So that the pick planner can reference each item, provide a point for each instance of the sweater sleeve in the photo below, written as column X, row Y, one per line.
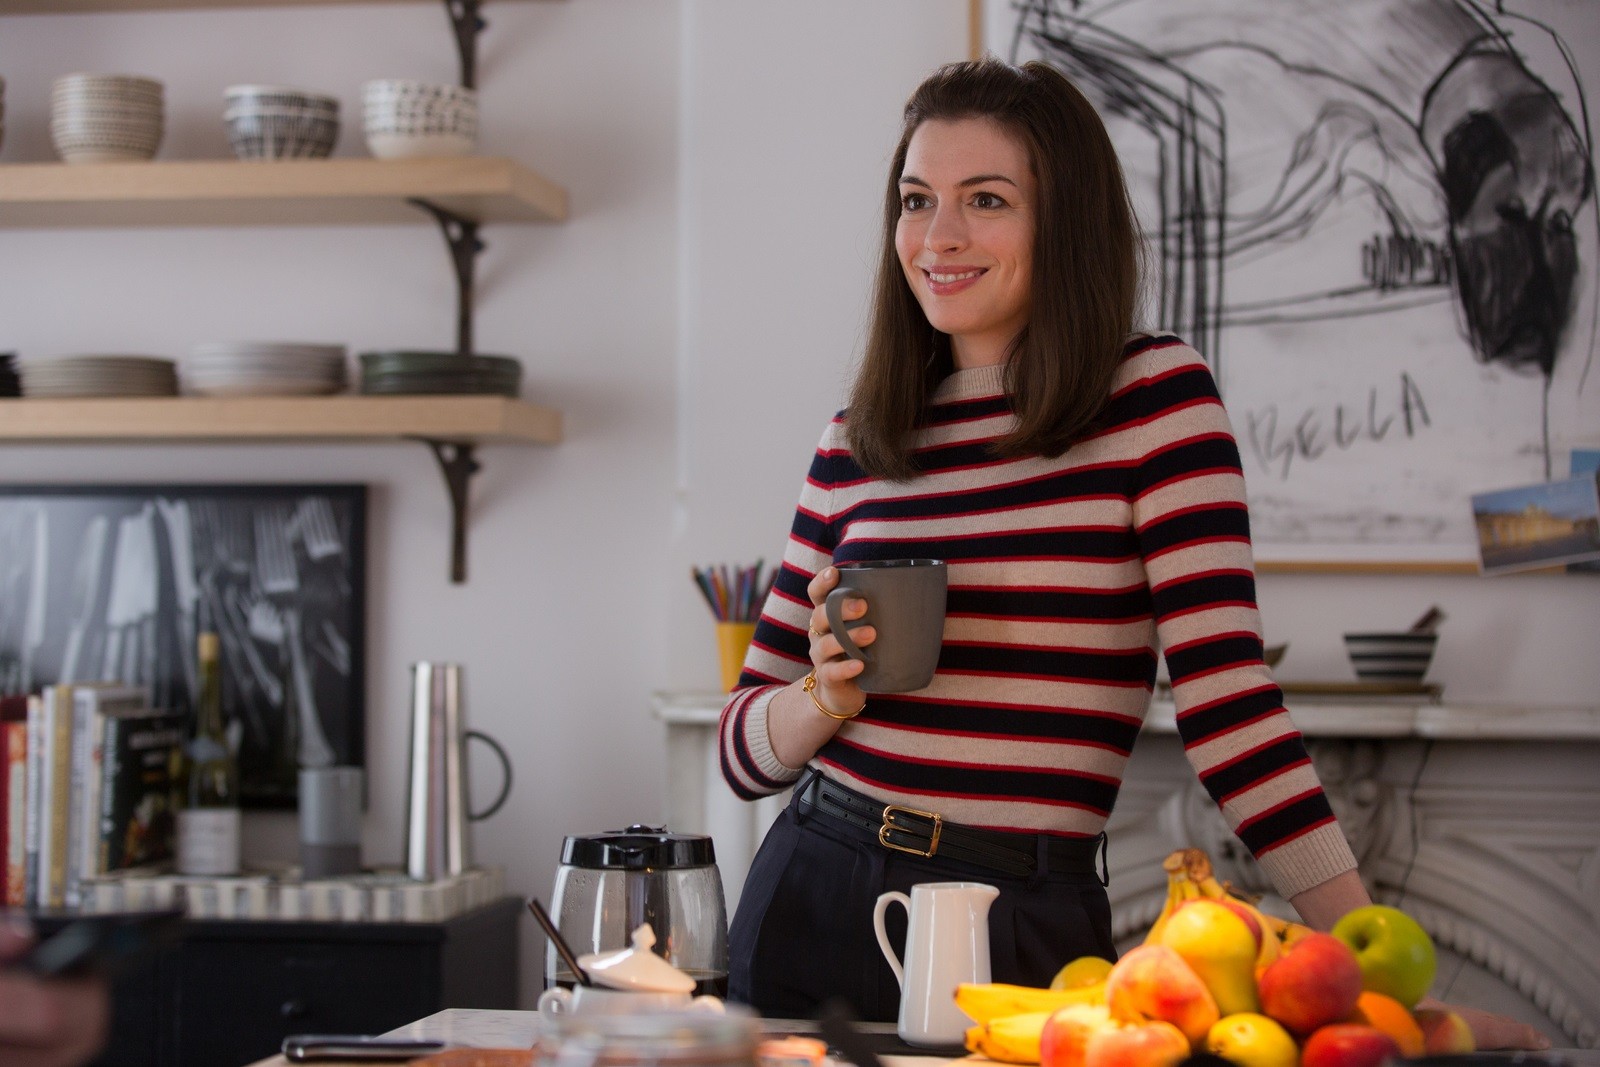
column 1194, row 533
column 780, row 652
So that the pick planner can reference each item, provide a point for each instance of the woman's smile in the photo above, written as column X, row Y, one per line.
column 947, row 281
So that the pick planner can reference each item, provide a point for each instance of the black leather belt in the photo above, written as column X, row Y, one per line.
column 927, row 834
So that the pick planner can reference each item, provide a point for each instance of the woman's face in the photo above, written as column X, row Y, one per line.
column 965, row 234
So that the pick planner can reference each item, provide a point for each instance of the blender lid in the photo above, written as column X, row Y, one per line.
column 636, row 967
column 638, row 848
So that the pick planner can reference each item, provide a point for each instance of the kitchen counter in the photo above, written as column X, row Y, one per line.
column 491, row 1028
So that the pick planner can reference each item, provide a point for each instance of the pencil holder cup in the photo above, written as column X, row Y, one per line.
column 733, row 641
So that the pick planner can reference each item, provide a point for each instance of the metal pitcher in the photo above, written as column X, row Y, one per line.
column 436, row 811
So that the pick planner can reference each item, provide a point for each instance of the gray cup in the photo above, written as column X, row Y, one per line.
column 905, row 603
column 330, row 821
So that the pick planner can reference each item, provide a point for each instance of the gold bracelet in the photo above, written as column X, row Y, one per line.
column 810, row 690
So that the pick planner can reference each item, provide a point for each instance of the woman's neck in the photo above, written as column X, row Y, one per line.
column 967, row 352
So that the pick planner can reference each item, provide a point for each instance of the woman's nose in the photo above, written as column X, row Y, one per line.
column 947, row 231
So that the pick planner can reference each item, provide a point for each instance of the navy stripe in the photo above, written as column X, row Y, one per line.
column 1292, row 820
column 1131, row 667
column 1202, row 591
column 1205, row 656
column 1199, row 726
column 1049, row 724
column 1008, row 783
column 1123, row 605
column 1256, row 767
column 1032, row 544
column 1198, row 525
column 1113, row 482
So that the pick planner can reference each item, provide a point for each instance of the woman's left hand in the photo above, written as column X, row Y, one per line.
column 1491, row 1031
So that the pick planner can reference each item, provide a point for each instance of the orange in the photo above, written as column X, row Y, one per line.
column 1393, row 1018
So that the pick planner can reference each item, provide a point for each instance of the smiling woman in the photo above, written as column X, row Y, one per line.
column 1082, row 487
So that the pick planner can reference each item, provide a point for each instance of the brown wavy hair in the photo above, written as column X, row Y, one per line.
column 1085, row 275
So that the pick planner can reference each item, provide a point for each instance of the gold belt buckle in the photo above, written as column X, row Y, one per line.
column 889, row 824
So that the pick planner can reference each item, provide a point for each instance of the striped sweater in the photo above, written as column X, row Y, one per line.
column 1065, row 577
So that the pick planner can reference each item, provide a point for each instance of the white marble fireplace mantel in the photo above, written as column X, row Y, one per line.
column 1481, row 821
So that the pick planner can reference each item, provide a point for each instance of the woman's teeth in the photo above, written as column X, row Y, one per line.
column 946, row 279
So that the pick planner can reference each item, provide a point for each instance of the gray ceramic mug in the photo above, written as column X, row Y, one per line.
column 905, row 604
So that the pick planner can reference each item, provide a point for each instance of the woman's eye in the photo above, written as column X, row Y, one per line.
column 988, row 202
column 913, row 201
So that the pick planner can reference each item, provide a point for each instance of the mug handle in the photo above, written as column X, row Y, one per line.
column 505, row 784
column 835, row 604
column 884, row 900
column 555, row 1001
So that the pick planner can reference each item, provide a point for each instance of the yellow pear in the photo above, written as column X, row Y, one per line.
column 1219, row 947
column 1251, row 1040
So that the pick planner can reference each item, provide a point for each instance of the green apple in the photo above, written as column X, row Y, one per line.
column 1396, row 954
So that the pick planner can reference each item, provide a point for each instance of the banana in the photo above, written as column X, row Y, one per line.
column 988, row 1001
column 1009, row 1038
column 1179, row 889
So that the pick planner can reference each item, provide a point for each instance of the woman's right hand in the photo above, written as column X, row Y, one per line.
column 836, row 672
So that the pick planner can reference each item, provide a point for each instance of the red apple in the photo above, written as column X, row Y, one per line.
column 1444, row 1032
column 1152, row 1044
column 1315, row 982
column 1348, row 1045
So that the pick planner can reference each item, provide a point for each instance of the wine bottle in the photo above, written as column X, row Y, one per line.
column 208, row 825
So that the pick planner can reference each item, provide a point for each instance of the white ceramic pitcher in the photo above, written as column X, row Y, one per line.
column 947, row 943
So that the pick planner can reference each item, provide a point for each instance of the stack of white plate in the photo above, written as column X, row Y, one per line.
column 264, row 368
column 98, row 375
column 103, row 118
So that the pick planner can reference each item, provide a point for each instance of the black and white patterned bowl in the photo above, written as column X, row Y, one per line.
column 1396, row 658
column 403, row 119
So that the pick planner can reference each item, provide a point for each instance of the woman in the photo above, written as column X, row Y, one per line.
column 1086, row 491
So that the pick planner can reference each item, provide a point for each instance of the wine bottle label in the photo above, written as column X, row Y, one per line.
column 208, row 841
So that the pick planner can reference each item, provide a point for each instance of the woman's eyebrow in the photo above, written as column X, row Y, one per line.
column 976, row 179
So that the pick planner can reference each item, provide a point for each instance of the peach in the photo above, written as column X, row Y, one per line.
column 1065, row 1038
column 1444, row 1032
column 1315, row 982
column 1347, row 1045
column 1153, row 983
column 1152, row 1044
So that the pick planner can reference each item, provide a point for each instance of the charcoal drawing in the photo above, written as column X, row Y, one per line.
column 1377, row 221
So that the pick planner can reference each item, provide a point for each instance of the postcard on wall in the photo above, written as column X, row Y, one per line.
column 1540, row 525
column 1585, row 461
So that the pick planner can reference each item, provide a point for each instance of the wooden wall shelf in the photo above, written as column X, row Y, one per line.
column 280, row 192
column 78, row 7
column 459, row 419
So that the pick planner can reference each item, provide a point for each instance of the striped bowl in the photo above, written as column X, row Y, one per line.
column 1397, row 658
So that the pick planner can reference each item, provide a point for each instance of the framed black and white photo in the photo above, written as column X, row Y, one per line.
column 112, row 583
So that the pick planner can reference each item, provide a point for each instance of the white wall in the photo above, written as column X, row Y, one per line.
column 562, row 624
column 696, row 321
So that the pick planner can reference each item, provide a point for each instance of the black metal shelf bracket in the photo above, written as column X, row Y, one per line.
column 458, row 464
column 467, row 24
column 461, row 236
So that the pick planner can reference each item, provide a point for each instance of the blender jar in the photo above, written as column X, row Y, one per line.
column 609, row 883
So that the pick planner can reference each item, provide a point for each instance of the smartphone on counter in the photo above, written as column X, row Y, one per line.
column 102, row 944
column 314, row 1048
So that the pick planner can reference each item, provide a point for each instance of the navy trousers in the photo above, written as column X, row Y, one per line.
column 803, row 934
